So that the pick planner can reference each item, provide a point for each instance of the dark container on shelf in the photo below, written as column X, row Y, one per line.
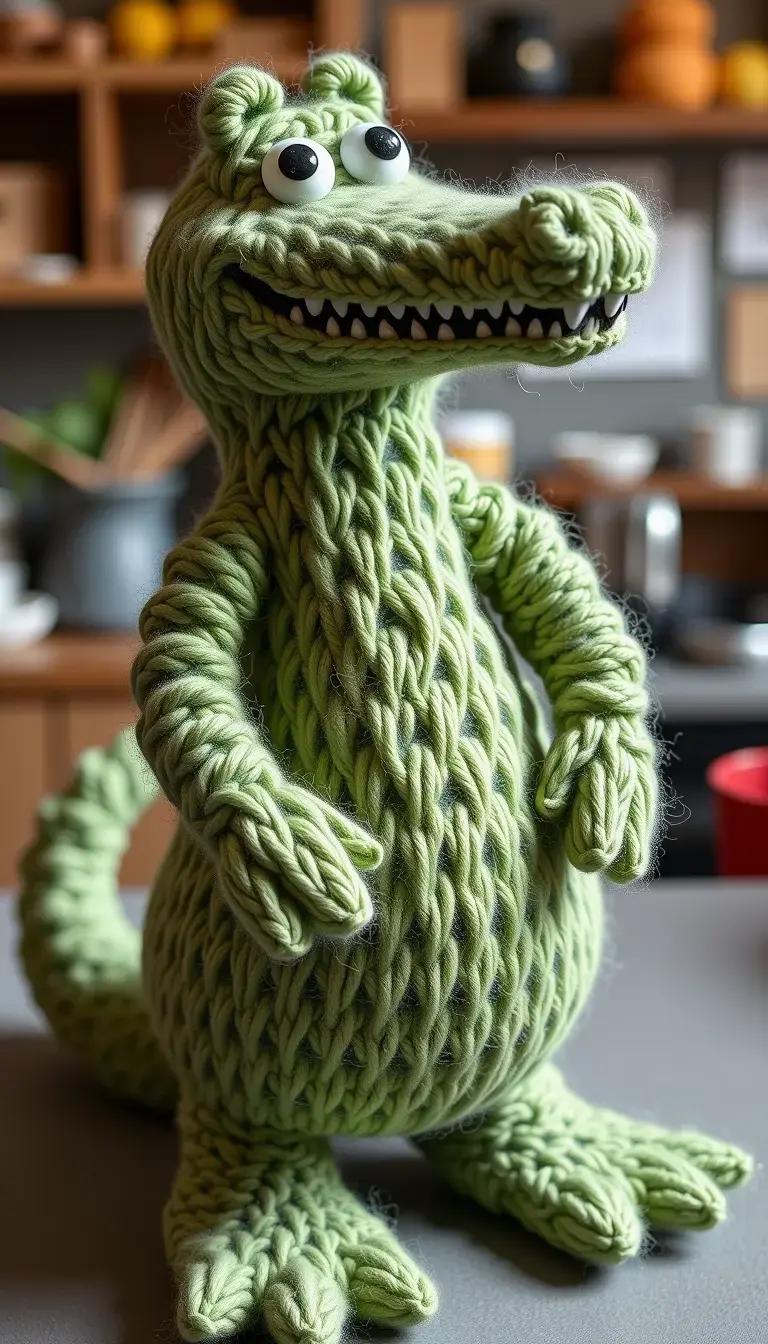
column 519, row 58
column 104, row 554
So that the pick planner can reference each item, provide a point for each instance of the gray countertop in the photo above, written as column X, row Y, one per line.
column 677, row 1031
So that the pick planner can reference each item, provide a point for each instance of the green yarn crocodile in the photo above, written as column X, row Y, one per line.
column 380, row 913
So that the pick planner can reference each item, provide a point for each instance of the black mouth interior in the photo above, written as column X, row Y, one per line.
column 389, row 321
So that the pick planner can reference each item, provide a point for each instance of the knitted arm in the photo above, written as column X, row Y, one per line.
column 600, row 769
column 285, row 859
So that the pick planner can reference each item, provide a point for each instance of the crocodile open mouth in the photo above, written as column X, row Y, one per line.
column 444, row 321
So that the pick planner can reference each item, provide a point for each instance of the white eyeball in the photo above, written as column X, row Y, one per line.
column 295, row 171
column 375, row 154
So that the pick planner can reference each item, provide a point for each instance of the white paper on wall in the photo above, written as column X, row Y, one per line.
column 668, row 327
column 744, row 214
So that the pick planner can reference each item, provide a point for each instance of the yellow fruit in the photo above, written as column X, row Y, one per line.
column 199, row 22
column 744, row 75
column 144, row 30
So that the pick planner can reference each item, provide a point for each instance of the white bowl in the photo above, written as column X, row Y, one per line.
column 32, row 619
column 622, row 458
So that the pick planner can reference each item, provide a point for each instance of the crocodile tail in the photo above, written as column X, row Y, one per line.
column 81, row 954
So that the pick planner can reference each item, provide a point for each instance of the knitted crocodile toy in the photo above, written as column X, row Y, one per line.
column 380, row 913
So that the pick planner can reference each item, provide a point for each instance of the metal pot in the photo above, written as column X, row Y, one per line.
column 104, row 556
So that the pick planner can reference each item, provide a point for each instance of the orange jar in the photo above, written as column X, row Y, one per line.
column 672, row 74
column 667, row 55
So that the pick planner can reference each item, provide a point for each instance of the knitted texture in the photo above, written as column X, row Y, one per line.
column 380, row 912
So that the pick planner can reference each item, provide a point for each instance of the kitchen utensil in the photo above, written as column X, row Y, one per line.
column 739, row 782
column 10, row 548
column 726, row 443
column 150, row 397
column 79, row 470
column 185, row 430
column 482, row 439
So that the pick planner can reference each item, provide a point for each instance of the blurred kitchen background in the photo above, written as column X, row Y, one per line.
column 656, row 451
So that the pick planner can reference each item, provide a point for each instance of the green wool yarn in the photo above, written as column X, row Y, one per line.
column 380, row 912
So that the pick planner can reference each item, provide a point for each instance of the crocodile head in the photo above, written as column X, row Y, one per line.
column 306, row 254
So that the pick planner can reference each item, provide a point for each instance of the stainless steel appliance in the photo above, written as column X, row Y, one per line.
column 637, row 541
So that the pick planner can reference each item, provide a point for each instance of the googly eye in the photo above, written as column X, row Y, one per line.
column 295, row 171
column 375, row 154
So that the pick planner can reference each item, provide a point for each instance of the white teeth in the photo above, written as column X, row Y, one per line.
column 445, row 310
column 397, row 309
column 516, row 306
column 417, row 331
column 555, row 329
column 575, row 314
column 612, row 304
column 297, row 315
column 386, row 332
column 341, row 306
column 512, row 328
column 358, row 330
column 332, row 327
column 445, row 333
column 535, row 329
column 482, row 329
column 314, row 306
column 495, row 309
column 370, row 309
column 589, row 327
column 468, row 309
column 424, row 309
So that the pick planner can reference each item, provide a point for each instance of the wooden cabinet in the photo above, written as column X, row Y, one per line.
column 57, row 698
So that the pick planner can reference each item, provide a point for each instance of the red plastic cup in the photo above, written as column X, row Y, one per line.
column 739, row 782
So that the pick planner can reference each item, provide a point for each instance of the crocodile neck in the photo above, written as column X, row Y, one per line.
column 370, row 612
column 310, row 434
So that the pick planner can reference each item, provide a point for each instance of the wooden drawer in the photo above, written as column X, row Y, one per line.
column 57, row 698
column 94, row 722
column 23, row 778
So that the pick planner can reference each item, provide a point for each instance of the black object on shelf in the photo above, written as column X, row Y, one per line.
column 519, row 58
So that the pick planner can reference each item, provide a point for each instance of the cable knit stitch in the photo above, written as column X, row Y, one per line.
column 379, row 914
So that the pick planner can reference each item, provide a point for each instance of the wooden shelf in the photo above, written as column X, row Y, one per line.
column 89, row 288
column 564, row 120
column 62, row 663
column 571, row 121
column 567, row 491
column 178, row 75
column 45, row 75
column 173, row 76
column 120, row 103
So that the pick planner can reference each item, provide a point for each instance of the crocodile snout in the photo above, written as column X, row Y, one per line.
column 555, row 245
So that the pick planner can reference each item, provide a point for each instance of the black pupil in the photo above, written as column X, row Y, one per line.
column 383, row 142
column 298, row 162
